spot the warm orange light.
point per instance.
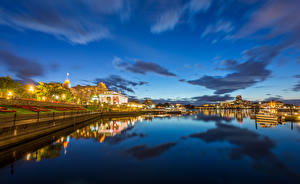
(9, 93)
(31, 89)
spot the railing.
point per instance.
(17, 127)
(19, 119)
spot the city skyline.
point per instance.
(197, 51)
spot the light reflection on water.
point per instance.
(212, 146)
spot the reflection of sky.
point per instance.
(163, 148)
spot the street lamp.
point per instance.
(9, 94)
(31, 89)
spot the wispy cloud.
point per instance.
(167, 21)
(198, 5)
(220, 26)
(62, 18)
(278, 16)
(171, 17)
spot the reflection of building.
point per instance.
(98, 93)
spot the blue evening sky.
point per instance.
(186, 50)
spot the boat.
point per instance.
(264, 116)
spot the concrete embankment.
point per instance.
(29, 128)
(22, 132)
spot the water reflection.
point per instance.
(247, 143)
(111, 129)
(239, 116)
(168, 148)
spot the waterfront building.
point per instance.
(238, 103)
(272, 104)
(97, 94)
(149, 104)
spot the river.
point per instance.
(209, 147)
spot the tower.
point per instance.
(67, 83)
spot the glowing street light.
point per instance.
(9, 94)
(31, 89)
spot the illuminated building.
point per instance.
(98, 94)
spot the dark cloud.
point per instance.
(142, 152)
(142, 67)
(117, 83)
(22, 68)
(247, 74)
(247, 143)
(296, 87)
(254, 69)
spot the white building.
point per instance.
(99, 94)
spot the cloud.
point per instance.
(246, 74)
(63, 19)
(22, 68)
(277, 16)
(196, 5)
(167, 21)
(117, 83)
(171, 17)
(142, 67)
(247, 143)
(220, 26)
(142, 152)
(296, 87)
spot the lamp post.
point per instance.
(9, 94)
(31, 91)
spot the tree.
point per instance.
(53, 91)
(8, 84)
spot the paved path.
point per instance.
(10, 123)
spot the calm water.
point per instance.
(214, 147)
